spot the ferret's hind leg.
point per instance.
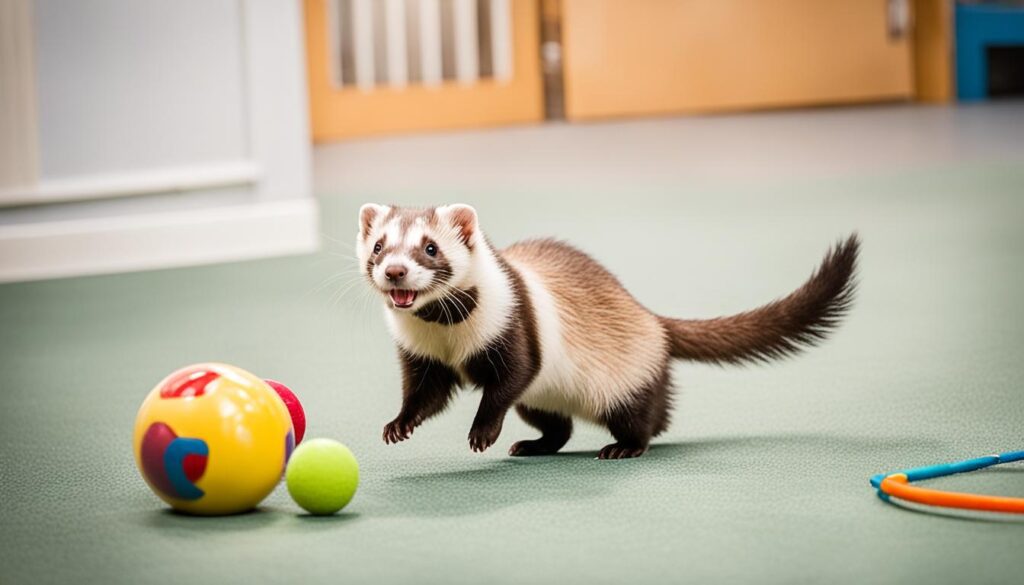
(642, 417)
(555, 432)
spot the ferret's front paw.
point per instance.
(397, 430)
(482, 438)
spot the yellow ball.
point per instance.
(212, 439)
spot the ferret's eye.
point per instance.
(431, 250)
(378, 247)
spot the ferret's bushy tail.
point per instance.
(780, 328)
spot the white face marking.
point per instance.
(397, 253)
(393, 231)
(404, 241)
(414, 236)
(454, 344)
(472, 265)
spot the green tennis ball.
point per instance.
(322, 476)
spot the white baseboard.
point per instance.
(140, 242)
(131, 183)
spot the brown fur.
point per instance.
(778, 329)
(408, 215)
(617, 371)
(502, 370)
(454, 308)
(609, 333)
(505, 368)
(427, 388)
(555, 432)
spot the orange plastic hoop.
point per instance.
(897, 485)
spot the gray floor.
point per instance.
(762, 476)
(677, 152)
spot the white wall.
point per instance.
(186, 114)
(139, 84)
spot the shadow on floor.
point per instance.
(576, 475)
(171, 521)
(958, 515)
(177, 523)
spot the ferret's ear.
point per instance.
(463, 218)
(368, 213)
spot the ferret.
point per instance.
(542, 327)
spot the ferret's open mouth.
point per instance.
(403, 299)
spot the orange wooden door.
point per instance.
(624, 57)
(340, 110)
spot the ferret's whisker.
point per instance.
(334, 240)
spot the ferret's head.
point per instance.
(415, 256)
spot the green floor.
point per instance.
(761, 478)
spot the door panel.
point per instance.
(627, 57)
(438, 81)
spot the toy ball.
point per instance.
(212, 439)
(322, 476)
(294, 408)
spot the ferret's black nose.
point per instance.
(394, 272)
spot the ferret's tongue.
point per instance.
(403, 298)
